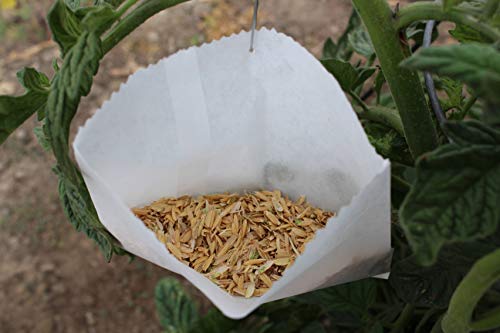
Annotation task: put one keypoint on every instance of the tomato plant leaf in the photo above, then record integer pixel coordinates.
(454, 92)
(376, 328)
(64, 25)
(42, 138)
(73, 81)
(73, 4)
(329, 49)
(342, 49)
(464, 34)
(388, 142)
(355, 297)
(79, 210)
(343, 71)
(364, 73)
(346, 74)
(99, 19)
(112, 3)
(474, 64)
(33, 80)
(176, 309)
(473, 132)
(448, 4)
(456, 192)
(14, 111)
(214, 322)
(360, 42)
(314, 327)
(424, 286)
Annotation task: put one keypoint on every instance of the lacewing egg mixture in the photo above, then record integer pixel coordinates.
(243, 243)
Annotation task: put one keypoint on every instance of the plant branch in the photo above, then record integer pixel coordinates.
(404, 84)
(358, 100)
(468, 105)
(403, 318)
(489, 321)
(427, 10)
(476, 283)
(125, 7)
(400, 184)
(130, 22)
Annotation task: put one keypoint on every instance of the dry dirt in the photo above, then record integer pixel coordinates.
(53, 279)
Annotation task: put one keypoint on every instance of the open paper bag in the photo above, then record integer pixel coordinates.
(218, 118)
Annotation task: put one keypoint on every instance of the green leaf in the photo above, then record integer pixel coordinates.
(465, 34)
(14, 111)
(99, 19)
(314, 327)
(433, 286)
(42, 139)
(214, 322)
(79, 210)
(456, 193)
(33, 80)
(360, 42)
(112, 3)
(342, 49)
(448, 4)
(289, 315)
(474, 64)
(453, 90)
(64, 25)
(176, 309)
(377, 328)
(329, 49)
(346, 74)
(343, 71)
(388, 142)
(73, 4)
(73, 81)
(355, 297)
(364, 73)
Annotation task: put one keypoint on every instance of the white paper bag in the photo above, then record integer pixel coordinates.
(218, 118)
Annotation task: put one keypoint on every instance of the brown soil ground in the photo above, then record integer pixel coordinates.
(53, 279)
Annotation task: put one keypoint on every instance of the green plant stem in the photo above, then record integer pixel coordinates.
(359, 101)
(437, 326)
(404, 84)
(130, 22)
(476, 283)
(468, 105)
(427, 10)
(125, 7)
(428, 315)
(403, 318)
(489, 321)
(400, 184)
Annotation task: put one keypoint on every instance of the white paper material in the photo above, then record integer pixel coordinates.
(218, 118)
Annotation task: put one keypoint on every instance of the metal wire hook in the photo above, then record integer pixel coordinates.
(254, 24)
(429, 82)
